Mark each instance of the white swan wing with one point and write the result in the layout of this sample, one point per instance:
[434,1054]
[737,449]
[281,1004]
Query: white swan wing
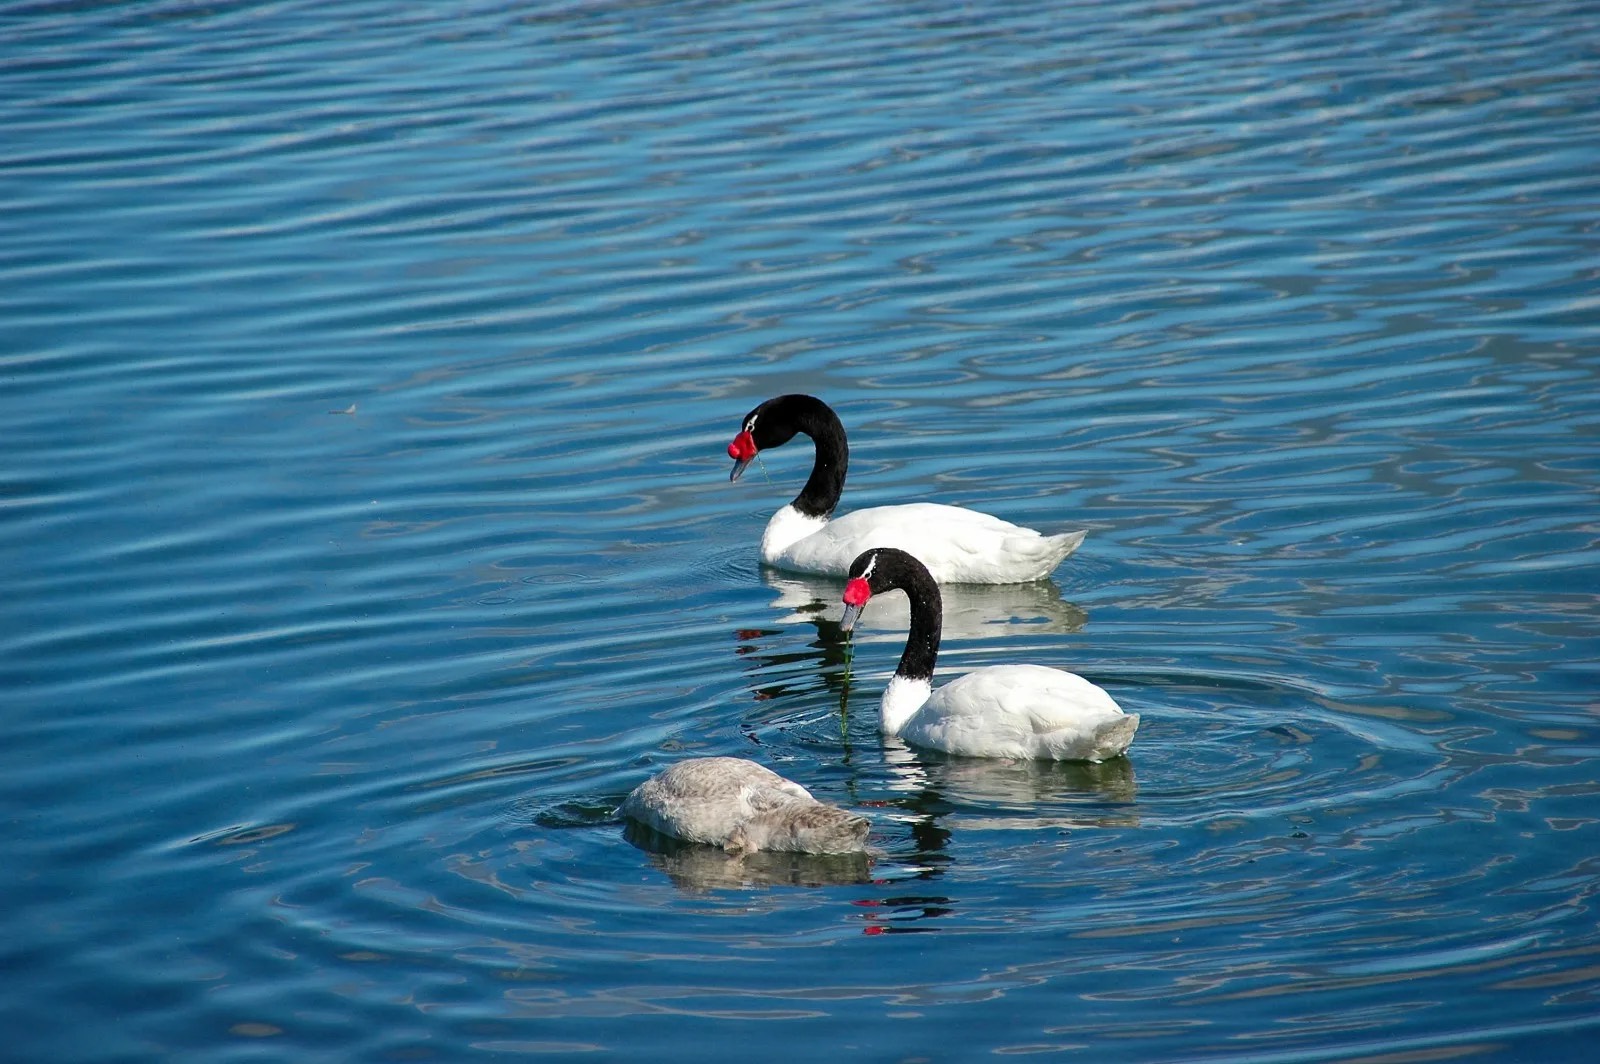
[1023,711]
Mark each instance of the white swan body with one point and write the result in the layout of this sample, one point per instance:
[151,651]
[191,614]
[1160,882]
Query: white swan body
[959,546]
[742,807]
[1023,712]
[1009,711]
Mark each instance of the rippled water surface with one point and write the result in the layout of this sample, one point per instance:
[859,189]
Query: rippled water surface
[365,373]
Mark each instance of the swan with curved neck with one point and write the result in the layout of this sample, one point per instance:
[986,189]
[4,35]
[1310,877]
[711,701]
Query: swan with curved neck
[1011,711]
[958,545]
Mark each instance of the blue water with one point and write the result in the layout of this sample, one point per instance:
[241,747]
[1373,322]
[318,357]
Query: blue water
[365,373]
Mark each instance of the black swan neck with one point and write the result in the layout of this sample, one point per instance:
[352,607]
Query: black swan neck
[789,414]
[897,569]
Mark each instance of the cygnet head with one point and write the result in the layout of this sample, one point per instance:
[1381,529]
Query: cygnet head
[813,828]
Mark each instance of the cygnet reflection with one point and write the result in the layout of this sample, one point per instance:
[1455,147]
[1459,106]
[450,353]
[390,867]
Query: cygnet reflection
[696,869]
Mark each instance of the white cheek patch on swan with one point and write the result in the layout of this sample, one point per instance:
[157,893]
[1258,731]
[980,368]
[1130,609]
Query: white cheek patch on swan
[872,563]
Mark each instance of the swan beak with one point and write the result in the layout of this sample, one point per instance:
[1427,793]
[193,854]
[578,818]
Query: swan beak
[743,451]
[856,593]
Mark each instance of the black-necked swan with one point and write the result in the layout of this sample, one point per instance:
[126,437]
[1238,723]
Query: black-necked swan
[1012,711]
[959,546]
[742,807]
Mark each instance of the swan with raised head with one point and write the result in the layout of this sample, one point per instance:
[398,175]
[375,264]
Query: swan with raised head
[742,807]
[1011,711]
[959,546]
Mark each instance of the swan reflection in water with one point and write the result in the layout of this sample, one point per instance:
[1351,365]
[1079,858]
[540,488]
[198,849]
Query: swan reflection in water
[971,611]
[696,868]
[936,797]
[1016,795]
